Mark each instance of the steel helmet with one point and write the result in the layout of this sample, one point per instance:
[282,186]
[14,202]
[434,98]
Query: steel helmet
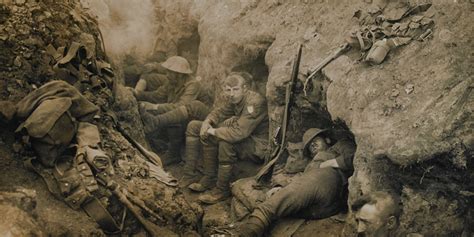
[177,64]
[309,135]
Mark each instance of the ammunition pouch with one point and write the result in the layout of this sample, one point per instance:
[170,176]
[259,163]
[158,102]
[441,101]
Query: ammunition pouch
[75,180]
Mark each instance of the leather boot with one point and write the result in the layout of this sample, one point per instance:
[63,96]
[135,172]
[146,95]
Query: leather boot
[222,189]
[253,227]
[208,181]
[176,137]
[191,153]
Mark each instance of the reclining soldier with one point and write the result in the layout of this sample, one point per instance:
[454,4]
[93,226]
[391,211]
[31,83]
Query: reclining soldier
[237,129]
[179,102]
[317,193]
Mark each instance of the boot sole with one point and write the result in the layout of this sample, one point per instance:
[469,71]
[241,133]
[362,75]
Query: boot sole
[199,190]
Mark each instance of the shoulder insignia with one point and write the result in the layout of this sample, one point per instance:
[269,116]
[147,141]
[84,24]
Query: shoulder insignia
[250,109]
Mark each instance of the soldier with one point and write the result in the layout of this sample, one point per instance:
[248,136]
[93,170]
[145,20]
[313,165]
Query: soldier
[318,192]
[377,214]
[150,82]
[177,103]
[238,128]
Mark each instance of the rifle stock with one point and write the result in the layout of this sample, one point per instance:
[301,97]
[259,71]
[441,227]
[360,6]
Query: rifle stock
[267,169]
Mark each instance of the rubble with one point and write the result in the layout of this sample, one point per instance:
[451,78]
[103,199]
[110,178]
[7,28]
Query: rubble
[410,115]
[61,41]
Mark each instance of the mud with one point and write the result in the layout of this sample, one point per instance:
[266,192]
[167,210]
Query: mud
[411,115]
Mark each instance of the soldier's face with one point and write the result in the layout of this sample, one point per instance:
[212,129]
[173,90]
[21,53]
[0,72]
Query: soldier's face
[235,93]
[317,144]
[173,77]
[372,222]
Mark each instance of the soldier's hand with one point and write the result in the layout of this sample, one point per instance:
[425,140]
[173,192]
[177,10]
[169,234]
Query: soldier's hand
[329,163]
[203,133]
[134,92]
[147,106]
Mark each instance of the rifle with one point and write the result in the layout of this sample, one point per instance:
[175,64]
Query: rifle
[339,51]
[280,134]
[151,156]
[123,196]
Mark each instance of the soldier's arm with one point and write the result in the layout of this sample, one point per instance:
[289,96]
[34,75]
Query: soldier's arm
[191,92]
[250,118]
[157,96]
[220,113]
[346,149]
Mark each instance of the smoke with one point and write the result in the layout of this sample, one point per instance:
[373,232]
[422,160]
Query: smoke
[126,25]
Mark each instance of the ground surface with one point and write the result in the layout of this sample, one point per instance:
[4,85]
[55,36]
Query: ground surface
[411,115]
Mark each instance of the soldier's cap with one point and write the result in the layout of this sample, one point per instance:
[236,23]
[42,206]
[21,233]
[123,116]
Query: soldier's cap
[309,135]
[177,64]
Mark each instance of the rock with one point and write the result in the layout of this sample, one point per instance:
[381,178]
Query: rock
[216,215]
[7,110]
[20,2]
[19,207]
[395,93]
[409,88]
[17,62]
[337,69]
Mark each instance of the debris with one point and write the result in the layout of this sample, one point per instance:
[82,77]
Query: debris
[17,61]
[428,33]
[395,93]
[7,110]
[409,88]
[17,147]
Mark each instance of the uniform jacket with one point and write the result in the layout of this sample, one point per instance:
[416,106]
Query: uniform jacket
[247,119]
[343,151]
[180,95]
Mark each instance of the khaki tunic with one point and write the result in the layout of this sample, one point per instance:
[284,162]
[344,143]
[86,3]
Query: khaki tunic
[248,119]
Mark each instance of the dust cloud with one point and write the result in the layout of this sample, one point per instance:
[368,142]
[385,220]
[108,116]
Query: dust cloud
[126,25]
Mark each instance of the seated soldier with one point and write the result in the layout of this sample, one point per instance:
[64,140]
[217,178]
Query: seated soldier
[317,193]
[238,128]
[178,103]
[377,214]
[150,83]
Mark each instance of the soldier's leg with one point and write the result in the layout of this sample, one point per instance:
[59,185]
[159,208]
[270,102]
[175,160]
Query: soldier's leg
[195,110]
[317,189]
[248,149]
[191,153]
[209,156]
[175,140]
[227,158]
[141,85]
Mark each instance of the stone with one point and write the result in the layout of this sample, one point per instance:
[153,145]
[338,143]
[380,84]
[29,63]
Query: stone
[19,206]
[7,110]
[216,215]
[409,88]
[17,61]
[20,2]
[337,69]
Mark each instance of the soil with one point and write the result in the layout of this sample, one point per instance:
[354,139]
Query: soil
[411,115]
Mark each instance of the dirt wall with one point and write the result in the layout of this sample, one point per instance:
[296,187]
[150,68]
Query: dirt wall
[411,115]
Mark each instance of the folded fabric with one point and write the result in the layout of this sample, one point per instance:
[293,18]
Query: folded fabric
[81,108]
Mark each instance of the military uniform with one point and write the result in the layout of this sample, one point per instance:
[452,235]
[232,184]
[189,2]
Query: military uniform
[242,131]
[317,193]
[241,128]
[175,104]
[155,87]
